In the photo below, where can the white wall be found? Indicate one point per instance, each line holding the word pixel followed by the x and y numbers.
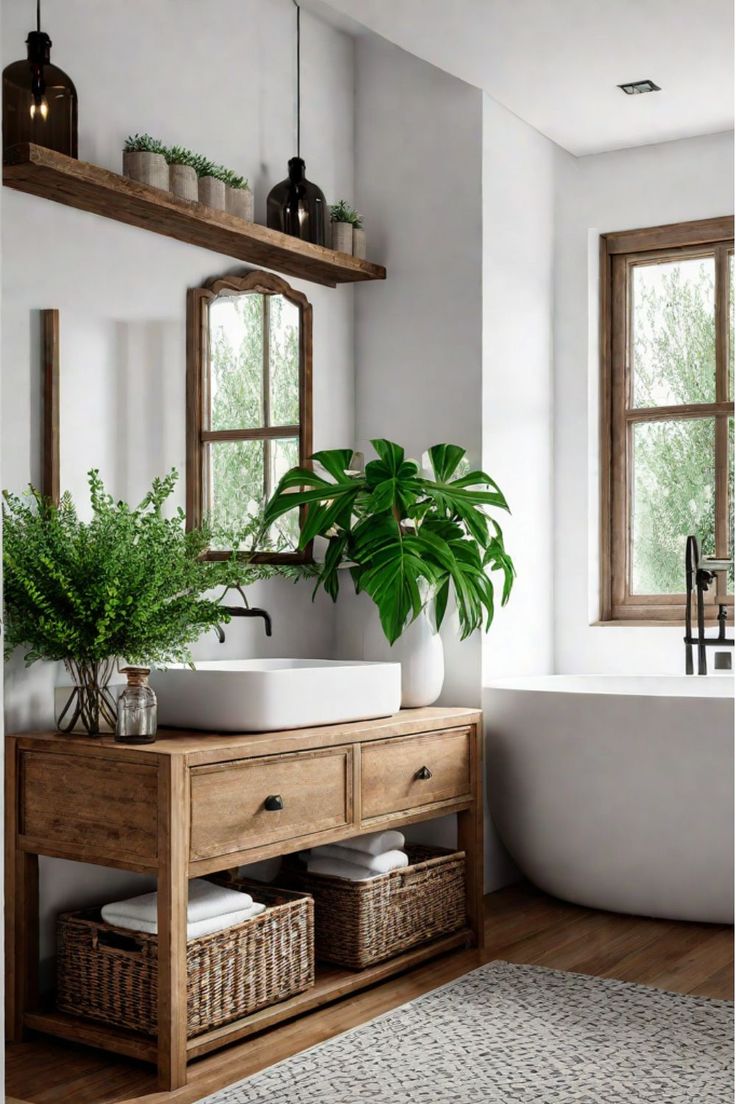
pixel 519 167
pixel 162 68
pixel 647 186
pixel 418 354
pixel 457 346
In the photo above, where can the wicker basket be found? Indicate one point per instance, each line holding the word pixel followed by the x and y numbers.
pixel 359 923
pixel 111 974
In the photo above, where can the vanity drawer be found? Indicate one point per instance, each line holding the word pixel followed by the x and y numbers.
pixel 398 775
pixel 229 810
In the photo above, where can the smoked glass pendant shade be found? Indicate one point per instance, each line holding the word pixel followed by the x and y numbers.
pixel 39 100
pixel 296 206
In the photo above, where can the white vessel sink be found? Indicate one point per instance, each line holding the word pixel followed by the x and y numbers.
pixel 268 695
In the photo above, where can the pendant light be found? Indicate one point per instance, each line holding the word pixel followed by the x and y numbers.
pixel 296 206
pixel 39 99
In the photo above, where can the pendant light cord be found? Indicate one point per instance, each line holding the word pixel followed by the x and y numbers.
pixel 38 15
pixel 298 78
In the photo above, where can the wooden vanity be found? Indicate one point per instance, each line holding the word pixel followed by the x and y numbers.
pixel 194 803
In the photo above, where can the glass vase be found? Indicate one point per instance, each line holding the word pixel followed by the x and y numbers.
pixel 91 706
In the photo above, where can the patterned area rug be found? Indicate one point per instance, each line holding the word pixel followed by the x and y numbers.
pixel 505 1034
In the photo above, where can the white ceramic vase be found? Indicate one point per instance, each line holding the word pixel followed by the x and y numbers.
pixel 240 202
pixel 183 182
pixel 212 192
pixel 342 237
pixel 148 168
pixel 359 245
pixel 419 649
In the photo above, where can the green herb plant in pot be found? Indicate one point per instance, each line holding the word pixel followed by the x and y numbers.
pixel 409 537
pixel 129 583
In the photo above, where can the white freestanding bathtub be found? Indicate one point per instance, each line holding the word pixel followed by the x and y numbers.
pixel 617 792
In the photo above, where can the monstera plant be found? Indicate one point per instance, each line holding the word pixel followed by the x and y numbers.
pixel 409 536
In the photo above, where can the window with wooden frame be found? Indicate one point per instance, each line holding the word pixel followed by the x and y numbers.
pixel 667 411
pixel 249 403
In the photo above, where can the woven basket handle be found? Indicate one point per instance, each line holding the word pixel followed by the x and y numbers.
pixel 120 944
pixel 412 878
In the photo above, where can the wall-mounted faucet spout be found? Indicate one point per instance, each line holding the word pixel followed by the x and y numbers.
pixel 244 611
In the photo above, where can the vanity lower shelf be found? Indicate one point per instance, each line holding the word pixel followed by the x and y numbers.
pixel 331 984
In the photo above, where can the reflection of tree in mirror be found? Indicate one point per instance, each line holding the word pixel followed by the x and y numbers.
pixel 243 473
pixel 674 460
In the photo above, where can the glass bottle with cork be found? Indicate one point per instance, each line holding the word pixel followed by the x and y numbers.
pixel 137 709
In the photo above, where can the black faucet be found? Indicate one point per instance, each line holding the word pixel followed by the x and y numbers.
pixel 243 611
pixel 699 574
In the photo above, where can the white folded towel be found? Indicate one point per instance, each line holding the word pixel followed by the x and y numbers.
pixel 375 843
pixel 378 864
pixel 336 869
pixel 195 930
pixel 206 902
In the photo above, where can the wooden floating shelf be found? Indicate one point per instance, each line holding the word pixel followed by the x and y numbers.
pixel 332 983
pixel 43 172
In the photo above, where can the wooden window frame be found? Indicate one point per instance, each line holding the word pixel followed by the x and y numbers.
pixel 619 252
pixel 198 433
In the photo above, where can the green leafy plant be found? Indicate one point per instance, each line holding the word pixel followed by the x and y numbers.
pixel 203 166
pixel 234 181
pixel 343 212
pixel 143 143
pixel 409 538
pixel 131 582
pixel 180 155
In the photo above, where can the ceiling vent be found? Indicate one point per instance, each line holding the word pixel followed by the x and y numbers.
pixel 636 88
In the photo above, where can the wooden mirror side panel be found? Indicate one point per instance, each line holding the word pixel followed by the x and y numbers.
pixel 50 458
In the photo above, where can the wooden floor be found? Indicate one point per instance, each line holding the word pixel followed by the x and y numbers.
pixel 523 926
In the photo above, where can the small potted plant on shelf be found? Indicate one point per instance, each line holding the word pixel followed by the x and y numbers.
pixel 359 242
pixel 182 172
pixel 342 220
pixel 239 197
pixel 212 186
pixel 129 583
pixel 410 537
pixel 144 159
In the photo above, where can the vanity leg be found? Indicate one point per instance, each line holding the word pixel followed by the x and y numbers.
pixel 173 893
pixel 470 840
pixel 21 916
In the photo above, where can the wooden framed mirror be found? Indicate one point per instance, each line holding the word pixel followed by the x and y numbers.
pixel 249 401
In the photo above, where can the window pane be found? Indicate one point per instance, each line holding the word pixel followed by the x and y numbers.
pixel 730 505
pixel 674 495
pixel 284 352
pixel 284 454
pixel 673 342
pixel 236 482
pixel 236 359
pixel 238 490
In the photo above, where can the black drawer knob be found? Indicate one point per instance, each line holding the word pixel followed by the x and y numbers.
pixel 423 773
pixel 274 802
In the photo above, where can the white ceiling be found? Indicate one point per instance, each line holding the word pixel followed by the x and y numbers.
pixel 556 63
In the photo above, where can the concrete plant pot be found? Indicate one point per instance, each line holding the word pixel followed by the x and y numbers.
pixel 342 237
pixel 359 243
pixel 148 168
pixel 212 192
pixel 240 202
pixel 183 181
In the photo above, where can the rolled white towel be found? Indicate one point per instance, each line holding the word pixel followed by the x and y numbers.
pixel 376 843
pixel 206 902
pixel 336 869
pixel 378 864
pixel 195 930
